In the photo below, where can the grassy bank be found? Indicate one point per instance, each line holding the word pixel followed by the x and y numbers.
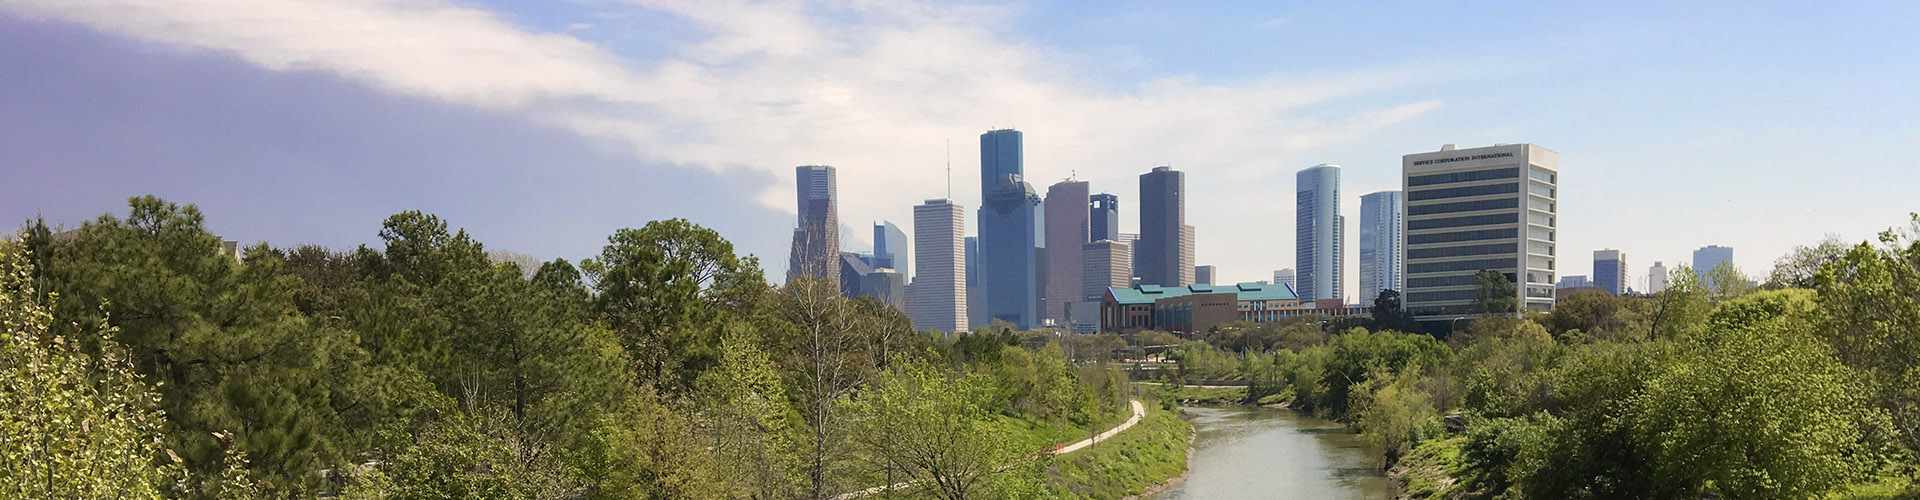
pixel 1150 453
pixel 1195 395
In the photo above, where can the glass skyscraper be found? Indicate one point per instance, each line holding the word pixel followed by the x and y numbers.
pixel 890 247
pixel 1610 270
pixel 1382 229
pixel 1103 215
pixel 1009 268
pixel 816 242
pixel 1164 253
pixel 1319 231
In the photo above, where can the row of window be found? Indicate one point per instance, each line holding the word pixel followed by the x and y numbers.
pixel 1440 281
pixel 1460 251
pixel 1470 220
pixel 1483 234
pixel 1464 206
pixel 1464 265
pixel 1443 296
pixel 1468 176
pixel 1461 192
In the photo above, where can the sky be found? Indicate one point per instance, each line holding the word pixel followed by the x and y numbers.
pixel 542 127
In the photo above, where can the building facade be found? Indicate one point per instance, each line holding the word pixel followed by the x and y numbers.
pixel 816 242
pixel 1194 309
pixel 1203 275
pixel 1164 253
pixel 1610 271
pixel 1468 210
pixel 1067 227
pixel 1706 258
pixel 890 248
pixel 1009 254
pixel 1319 230
pixel 938 296
pixel 1382 229
pixel 1285 277
pixel 1104 264
pixel 1657 277
pixel 976 307
pixel 1103 217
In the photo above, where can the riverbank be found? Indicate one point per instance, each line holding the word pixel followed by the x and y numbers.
pixel 1141 459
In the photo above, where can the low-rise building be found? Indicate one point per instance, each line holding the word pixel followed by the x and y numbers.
pixel 1198 308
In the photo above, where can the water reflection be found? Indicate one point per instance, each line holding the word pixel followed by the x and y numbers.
pixel 1257 453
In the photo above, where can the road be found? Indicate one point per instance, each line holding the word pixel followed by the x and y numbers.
pixel 1139 412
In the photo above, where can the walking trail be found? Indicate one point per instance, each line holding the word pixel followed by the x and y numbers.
pixel 1139 411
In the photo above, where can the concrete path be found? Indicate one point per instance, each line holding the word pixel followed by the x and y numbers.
pixel 1139 411
pixel 1197 386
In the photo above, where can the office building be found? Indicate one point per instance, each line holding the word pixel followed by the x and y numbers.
pixel 1319 233
pixel 938 297
pixel 858 279
pixel 1164 253
pixel 1610 271
pixel 1067 219
pixel 1103 217
pixel 1009 254
pixel 816 242
pixel 1203 275
pixel 890 248
pixel 1382 229
pixel 976 307
pixel 1001 154
pixel 1104 264
pixel 1285 277
pixel 1195 309
pixel 1469 210
pixel 1657 277
pixel 1708 257
pixel 1574 281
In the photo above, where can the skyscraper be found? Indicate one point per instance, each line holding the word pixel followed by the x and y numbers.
pixel 1657 277
pixel 1067 218
pixel 1203 275
pixel 1285 277
pixel 1001 154
pixel 816 242
pixel 1164 252
pixel 1009 253
pixel 1104 264
pixel 1706 258
pixel 938 297
pixel 1382 229
pixel 890 247
pixel 976 306
pixel 1469 210
pixel 1610 271
pixel 1103 218
pixel 1319 233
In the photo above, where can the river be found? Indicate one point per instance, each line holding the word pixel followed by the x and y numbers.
pixel 1259 453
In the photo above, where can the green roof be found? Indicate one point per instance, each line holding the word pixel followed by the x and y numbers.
pixel 1246 292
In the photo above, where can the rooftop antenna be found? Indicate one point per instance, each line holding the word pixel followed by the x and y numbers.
pixel 949 168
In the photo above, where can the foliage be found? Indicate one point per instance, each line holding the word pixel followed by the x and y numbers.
pixel 1496 294
pixel 1800 267
pixel 928 426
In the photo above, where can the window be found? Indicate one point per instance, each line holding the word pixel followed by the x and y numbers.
pixel 1440 281
pixel 1537 262
pixel 1539 248
pixel 1540 234
pixel 1464 265
pixel 1464 206
pixel 1540 190
pixel 1541 205
pixel 1540 220
pixel 1542 176
pixel 1450 295
pixel 1484 234
pixel 1468 176
pixel 1471 220
pixel 1435 194
pixel 1540 278
pixel 1462 251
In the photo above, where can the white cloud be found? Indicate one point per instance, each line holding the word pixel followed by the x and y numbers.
pixel 874 87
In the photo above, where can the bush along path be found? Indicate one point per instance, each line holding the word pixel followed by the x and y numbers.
pixel 1139 411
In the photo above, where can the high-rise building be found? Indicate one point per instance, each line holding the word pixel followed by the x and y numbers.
pixel 1285 277
pixel 1164 252
pixel 1469 210
pixel 976 306
pixel 1001 154
pixel 1573 281
pixel 1103 217
pixel 1706 258
pixel 1319 233
pixel 1657 277
pixel 889 248
pixel 816 242
pixel 1104 264
pixel 1009 254
pixel 1203 275
pixel 1610 271
pixel 1067 218
pixel 1382 229
pixel 938 297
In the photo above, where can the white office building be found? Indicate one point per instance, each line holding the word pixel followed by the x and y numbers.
pixel 938 297
pixel 1469 210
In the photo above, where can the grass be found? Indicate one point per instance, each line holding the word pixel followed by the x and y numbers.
pixel 1435 469
pixel 1228 396
pixel 1886 487
pixel 1148 454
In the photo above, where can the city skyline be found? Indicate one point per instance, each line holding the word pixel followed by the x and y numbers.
pixel 604 136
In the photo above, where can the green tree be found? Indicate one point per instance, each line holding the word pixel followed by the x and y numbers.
pixel 1390 314
pixel 1496 294
pixel 746 418
pixel 1801 265
pixel 666 290
pixel 1871 297
pixel 932 428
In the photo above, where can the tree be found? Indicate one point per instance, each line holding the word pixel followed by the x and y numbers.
pixel 1871 297
pixel 1388 314
pixel 933 428
pixel 72 425
pixel 1801 265
pixel 1496 294
pixel 830 346
pixel 665 289
pixel 744 417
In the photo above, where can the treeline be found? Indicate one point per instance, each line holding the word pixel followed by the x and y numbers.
pixel 1806 386
pixel 140 362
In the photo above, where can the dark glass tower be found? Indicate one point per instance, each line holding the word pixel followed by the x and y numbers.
pixel 1103 215
pixel 1165 248
pixel 1009 256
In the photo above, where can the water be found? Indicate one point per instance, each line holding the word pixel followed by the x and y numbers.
pixel 1259 453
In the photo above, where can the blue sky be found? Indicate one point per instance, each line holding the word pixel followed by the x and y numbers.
pixel 543 126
